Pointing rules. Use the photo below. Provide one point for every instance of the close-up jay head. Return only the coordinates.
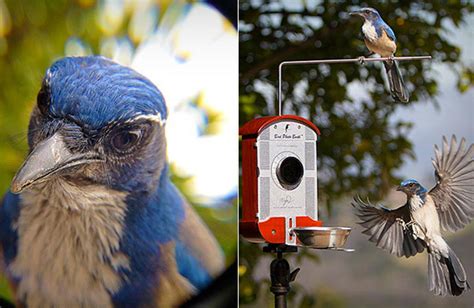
(92, 218)
(96, 122)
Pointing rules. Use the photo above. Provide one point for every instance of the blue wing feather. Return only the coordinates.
(191, 268)
(390, 33)
(184, 249)
(9, 211)
(380, 25)
(147, 228)
(198, 255)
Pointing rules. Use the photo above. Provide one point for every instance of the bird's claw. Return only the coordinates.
(391, 58)
(402, 223)
(361, 60)
(415, 227)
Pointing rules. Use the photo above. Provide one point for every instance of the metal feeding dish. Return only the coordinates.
(323, 237)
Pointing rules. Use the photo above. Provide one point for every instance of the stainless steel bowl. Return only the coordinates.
(322, 237)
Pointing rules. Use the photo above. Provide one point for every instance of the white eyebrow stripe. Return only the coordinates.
(150, 117)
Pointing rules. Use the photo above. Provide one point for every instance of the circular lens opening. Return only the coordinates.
(290, 172)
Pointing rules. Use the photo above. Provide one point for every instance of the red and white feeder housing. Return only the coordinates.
(279, 179)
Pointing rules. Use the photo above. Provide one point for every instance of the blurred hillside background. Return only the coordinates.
(368, 142)
(187, 48)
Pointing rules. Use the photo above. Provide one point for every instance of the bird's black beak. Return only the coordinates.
(47, 158)
(400, 188)
(356, 13)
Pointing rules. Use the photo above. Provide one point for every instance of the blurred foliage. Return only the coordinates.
(33, 34)
(361, 144)
(324, 298)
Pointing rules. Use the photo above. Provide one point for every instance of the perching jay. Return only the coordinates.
(417, 225)
(92, 218)
(380, 39)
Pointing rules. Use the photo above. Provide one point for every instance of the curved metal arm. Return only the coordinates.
(333, 61)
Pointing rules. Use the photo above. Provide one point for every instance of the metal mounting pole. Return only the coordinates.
(334, 61)
(280, 273)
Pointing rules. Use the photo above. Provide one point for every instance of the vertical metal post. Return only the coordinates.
(280, 67)
(280, 301)
(280, 274)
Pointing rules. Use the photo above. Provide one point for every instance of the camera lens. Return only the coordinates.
(290, 172)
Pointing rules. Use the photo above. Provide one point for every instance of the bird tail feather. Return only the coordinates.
(397, 86)
(446, 275)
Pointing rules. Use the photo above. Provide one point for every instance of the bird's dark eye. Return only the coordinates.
(44, 97)
(125, 140)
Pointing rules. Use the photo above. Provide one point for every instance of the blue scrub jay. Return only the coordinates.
(417, 225)
(92, 218)
(380, 39)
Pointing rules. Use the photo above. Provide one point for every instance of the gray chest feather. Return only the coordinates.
(68, 250)
(369, 31)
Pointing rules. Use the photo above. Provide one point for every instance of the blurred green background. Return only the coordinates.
(33, 34)
(368, 142)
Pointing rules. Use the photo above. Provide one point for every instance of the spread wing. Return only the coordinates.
(385, 231)
(454, 191)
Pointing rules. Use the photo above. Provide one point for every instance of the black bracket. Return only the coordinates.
(280, 273)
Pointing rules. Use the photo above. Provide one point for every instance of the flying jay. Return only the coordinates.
(92, 218)
(416, 226)
(380, 39)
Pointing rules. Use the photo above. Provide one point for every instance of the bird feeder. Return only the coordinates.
(279, 177)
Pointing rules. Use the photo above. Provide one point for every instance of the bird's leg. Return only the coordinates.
(362, 58)
(402, 223)
(419, 229)
(414, 233)
(391, 59)
(412, 223)
(406, 225)
(416, 229)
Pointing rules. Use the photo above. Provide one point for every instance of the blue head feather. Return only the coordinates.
(409, 181)
(415, 188)
(80, 89)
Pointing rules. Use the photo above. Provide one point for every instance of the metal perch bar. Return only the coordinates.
(333, 61)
